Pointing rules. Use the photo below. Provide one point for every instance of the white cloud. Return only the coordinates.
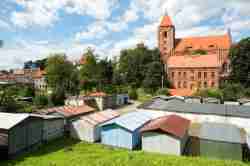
(95, 30)
(4, 25)
(45, 13)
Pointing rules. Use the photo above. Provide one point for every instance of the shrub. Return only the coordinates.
(133, 94)
(215, 93)
(162, 91)
(41, 100)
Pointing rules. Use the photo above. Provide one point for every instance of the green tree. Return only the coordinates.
(89, 71)
(232, 91)
(41, 101)
(153, 77)
(240, 62)
(62, 75)
(132, 65)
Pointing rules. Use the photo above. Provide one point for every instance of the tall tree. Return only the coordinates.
(62, 75)
(240, 62)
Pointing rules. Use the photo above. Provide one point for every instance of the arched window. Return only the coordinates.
(205, 84)
(179, 84)
(185, 84)
(165, 34)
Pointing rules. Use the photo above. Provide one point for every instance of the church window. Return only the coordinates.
(184, 74)
(165, 34)
(205, 84)
(199, 75)
(179, 84)
(212, 84)
(212, 74)
(205, 75)
(179, 74)
(172, 75)
(184, 84)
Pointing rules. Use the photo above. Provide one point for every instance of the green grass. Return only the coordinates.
(68, 152)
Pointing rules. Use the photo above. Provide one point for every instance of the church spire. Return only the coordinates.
(166, 20)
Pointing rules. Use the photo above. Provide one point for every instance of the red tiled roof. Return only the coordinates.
(172, 124)
(193, 61)
(68, 111)
(195, 43)
(97, 94)
(180, 92)
(166, 21)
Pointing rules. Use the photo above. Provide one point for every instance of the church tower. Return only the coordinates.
(166, 38)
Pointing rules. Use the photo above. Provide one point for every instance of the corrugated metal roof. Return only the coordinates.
(67, 111)
(8, 120)
(134, 120)
(220, 132)
(99, 117)
(195, 108)
(171, 124)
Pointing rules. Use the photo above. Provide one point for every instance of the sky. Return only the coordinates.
(34, 29)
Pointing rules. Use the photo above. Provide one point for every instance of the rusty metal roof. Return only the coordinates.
(67, 111)
(172, 124)
(100, 117)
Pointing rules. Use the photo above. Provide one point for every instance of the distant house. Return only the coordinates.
(167, 135)
(98, 100)
(88, 127)
(124, 131)
(18, 133)
(39, 80)
(221, 141)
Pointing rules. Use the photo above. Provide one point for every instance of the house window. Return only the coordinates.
(199, 75)
(191, 86)
(185, 84)
(211, 46)
(205, 75)
(189, 47)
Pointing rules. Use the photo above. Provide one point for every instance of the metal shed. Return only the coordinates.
(53, 126)
(167, 135)
(221, 141)
(19, 132)
(124, 131)
(88, 127)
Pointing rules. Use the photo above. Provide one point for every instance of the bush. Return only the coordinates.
(162, 91)
(57, 98)
(41, 100)
(133, 94)
(232, 91)
(215, 93)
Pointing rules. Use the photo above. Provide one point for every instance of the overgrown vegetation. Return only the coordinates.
(69, 152)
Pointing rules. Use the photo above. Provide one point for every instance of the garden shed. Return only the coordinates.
(19, 132)
(124, 131)
(88, 127)
(53, 127)
(223, 141)
(168, 135)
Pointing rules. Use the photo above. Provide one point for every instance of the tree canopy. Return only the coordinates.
(240, 62)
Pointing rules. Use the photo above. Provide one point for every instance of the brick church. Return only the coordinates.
(193, 63)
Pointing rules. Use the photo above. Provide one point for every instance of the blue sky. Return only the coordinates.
(33, 29)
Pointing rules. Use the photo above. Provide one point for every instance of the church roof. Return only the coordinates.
(206, 43)
(166, 21)
(193, 61)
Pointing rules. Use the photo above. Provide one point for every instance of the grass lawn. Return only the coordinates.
(68, 152)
